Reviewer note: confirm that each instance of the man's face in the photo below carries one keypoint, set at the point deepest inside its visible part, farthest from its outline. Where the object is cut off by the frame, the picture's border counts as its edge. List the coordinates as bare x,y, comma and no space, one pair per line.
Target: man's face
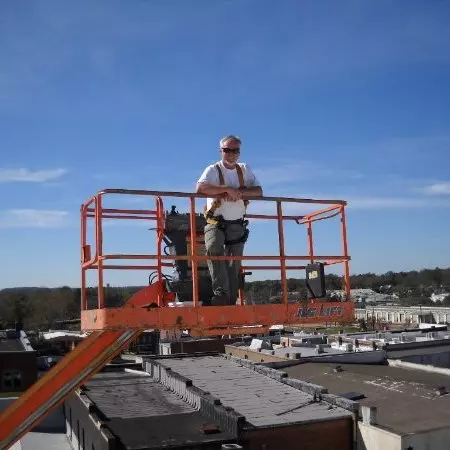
230,151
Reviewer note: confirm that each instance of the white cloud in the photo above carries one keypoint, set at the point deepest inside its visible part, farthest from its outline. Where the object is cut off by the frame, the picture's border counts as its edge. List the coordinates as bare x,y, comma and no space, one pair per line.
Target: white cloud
353,203
25,175
32,218
422,146
289,171
438,189
393,202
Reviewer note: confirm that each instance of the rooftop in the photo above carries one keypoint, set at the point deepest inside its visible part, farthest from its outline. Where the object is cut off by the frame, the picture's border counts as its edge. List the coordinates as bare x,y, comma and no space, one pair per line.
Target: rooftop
14,341
142,413
42,441
262,400
406,399
63,335
396,343
398,337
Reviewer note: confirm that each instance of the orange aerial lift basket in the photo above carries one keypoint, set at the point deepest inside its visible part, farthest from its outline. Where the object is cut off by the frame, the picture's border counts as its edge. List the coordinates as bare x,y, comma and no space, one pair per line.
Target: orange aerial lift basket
112,329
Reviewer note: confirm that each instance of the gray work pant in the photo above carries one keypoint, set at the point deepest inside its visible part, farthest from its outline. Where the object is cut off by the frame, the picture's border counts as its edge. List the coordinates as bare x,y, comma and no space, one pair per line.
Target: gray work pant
224,274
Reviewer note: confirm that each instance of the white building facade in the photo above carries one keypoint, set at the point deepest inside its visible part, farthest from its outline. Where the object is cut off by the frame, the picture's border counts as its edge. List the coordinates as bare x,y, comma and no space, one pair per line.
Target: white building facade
405,314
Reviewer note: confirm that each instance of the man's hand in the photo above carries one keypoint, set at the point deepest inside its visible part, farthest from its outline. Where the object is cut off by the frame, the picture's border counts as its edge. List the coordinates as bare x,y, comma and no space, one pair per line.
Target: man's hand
233,195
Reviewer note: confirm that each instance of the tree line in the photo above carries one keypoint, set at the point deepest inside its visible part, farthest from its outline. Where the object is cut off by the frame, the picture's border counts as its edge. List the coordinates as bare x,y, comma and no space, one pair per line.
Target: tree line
43,308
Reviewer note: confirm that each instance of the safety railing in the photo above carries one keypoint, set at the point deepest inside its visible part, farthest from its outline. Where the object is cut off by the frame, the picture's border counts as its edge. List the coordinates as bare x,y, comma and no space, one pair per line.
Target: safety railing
93,209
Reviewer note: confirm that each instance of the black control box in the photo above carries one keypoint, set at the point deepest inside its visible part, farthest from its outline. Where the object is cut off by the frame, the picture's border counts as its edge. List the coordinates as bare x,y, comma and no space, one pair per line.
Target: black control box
315,280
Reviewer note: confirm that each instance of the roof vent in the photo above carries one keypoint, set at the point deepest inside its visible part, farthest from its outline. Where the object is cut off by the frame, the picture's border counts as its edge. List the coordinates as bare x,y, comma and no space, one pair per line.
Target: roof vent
210,429
353,396
441,390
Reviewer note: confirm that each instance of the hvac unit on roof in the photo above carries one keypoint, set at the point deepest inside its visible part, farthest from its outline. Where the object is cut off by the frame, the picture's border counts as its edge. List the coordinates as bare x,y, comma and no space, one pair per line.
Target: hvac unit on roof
348,347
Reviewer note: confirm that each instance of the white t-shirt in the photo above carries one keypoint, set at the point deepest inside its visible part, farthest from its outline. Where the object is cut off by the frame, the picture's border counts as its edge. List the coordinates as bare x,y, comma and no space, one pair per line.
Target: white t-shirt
229,210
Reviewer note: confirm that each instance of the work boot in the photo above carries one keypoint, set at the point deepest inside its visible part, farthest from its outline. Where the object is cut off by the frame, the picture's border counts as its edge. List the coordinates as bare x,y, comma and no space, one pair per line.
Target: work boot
220,300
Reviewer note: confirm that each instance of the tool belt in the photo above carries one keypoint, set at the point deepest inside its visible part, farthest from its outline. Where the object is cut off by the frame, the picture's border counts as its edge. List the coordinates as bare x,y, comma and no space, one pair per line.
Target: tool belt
222,224
218,220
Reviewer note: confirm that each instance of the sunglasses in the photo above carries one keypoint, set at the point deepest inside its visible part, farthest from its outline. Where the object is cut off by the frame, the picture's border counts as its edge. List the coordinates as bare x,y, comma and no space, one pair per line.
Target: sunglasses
231,150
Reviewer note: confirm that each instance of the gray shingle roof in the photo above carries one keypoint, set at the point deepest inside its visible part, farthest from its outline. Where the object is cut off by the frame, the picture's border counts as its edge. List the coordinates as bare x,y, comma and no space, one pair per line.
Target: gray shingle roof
262,400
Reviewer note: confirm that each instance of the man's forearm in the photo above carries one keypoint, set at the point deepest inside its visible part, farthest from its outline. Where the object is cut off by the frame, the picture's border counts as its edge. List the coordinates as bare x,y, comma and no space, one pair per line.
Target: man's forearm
255,191
213,190
210,189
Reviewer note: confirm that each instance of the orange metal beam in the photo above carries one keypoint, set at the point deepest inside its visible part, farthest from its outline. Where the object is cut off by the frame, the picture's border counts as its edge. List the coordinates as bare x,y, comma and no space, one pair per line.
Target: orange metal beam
190,195
345,250
272,216
193,255
281,249
99,246
128,216
322,211
214,316
316,219
125,211
234,331
49,391
227,258
124,267
272,267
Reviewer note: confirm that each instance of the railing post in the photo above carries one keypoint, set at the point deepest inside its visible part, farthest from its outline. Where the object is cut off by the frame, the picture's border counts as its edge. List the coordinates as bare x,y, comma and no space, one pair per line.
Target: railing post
241,292
159,234
82,256
99,249
310,242
345,250
282,253
194,266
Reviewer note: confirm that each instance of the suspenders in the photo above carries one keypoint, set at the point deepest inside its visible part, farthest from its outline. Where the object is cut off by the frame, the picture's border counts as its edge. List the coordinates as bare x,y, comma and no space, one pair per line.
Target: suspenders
209,213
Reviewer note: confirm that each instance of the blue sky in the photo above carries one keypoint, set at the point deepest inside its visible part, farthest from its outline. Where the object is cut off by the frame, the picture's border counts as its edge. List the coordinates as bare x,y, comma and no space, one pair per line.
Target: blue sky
346,100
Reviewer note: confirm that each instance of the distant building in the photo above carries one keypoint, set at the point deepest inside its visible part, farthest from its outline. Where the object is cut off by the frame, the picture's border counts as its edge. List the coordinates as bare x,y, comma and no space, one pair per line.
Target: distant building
439,297
364,296
18,364
404,314
62,340
194,345
147,342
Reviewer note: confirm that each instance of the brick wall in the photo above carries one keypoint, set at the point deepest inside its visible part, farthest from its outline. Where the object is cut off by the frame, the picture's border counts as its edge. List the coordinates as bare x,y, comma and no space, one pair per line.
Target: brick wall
25,363
252,355
83,428
201,345
329,435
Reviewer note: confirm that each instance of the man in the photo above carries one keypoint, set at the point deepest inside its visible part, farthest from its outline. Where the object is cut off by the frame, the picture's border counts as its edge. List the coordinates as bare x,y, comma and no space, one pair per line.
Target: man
228,185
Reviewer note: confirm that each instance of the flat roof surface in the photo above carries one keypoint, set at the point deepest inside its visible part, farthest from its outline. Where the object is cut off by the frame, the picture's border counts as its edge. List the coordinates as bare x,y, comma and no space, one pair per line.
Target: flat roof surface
143,413
121,395
262,400
10,344
42,441
431,350
406,399
305,352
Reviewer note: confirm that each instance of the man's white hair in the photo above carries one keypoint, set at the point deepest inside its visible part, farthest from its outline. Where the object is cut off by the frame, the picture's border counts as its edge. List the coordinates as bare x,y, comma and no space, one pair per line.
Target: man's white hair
229,138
